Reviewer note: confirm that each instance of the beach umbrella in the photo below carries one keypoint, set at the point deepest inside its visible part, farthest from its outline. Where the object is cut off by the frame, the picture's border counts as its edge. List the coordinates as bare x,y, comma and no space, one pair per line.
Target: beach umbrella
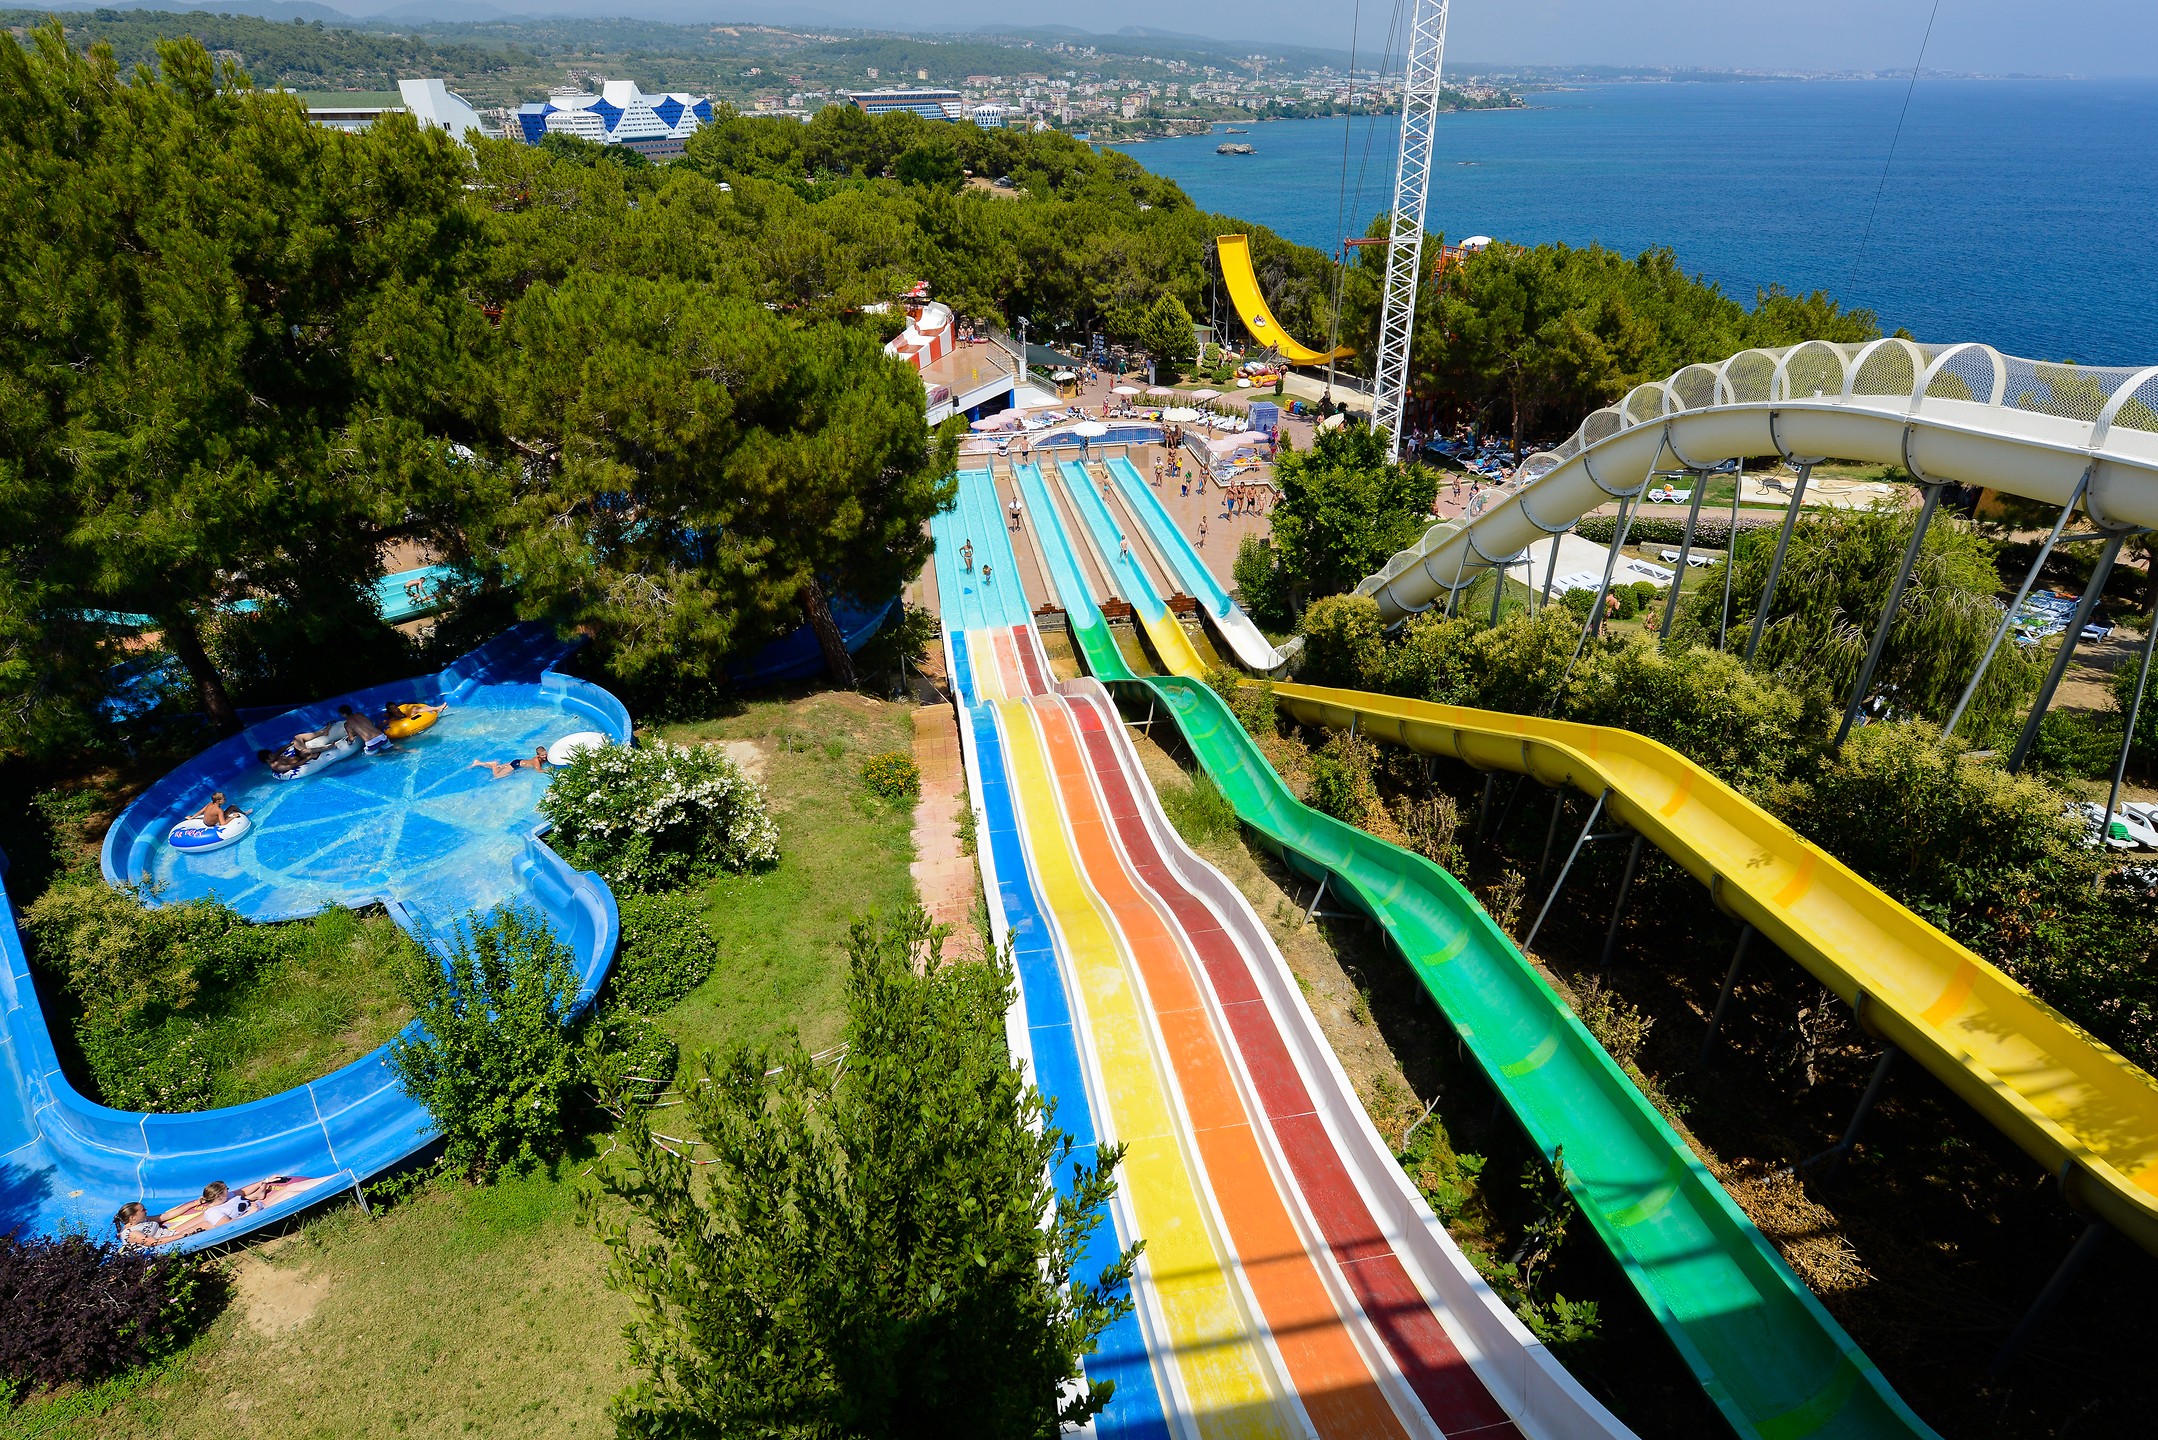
1004,420
1064,377
1230,444
1206,394
1182,416
1125,390
1091,429
1159,390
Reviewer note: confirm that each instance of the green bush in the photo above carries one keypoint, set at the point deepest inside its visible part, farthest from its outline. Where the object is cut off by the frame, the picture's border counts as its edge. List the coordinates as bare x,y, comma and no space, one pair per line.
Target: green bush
1251,702
497,1052
660,816
1258,582
666,952
1200,812
1344,642
1341,779
2144,757
854,1232
2077,744
1706,705
892,775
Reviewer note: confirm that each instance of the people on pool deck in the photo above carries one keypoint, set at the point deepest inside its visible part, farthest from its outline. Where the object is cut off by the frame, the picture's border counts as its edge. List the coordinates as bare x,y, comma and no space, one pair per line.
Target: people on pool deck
217,812
362,728
537,760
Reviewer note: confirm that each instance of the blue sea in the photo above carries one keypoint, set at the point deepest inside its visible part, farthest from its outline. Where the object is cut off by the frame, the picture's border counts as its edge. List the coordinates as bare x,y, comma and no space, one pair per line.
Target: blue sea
2017,212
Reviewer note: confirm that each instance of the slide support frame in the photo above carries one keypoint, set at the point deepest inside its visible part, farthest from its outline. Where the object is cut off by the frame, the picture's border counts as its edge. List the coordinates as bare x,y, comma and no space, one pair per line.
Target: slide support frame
1775,563
2008,620
1618,906
2079,1254
1888,613
1834,1154
2061,657
1723,996
1685,549
1586,837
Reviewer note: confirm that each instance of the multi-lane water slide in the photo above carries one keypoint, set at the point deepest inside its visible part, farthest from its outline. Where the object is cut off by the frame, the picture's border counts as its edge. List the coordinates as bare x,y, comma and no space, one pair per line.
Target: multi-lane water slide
415,829
1293,1282
1772,1360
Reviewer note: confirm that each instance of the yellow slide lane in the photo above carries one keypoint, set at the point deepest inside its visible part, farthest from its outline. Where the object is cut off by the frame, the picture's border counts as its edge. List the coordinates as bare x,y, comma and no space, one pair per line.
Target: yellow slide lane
2068,1100
1227,1378
1251,307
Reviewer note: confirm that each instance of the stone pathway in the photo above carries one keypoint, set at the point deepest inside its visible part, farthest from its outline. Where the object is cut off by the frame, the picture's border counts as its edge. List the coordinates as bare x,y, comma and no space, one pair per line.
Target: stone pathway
944,874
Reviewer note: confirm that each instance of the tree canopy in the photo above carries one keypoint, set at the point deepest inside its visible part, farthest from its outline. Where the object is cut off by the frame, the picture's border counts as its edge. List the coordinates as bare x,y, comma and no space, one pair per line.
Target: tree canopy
1344,510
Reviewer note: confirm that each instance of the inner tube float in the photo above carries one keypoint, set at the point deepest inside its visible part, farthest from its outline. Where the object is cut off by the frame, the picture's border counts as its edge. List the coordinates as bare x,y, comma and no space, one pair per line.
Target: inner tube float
411,719
192,837
322,759
569,747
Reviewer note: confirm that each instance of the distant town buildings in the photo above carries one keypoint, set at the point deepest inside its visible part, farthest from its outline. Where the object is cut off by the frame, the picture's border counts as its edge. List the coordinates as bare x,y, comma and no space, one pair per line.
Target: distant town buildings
934,104
659,126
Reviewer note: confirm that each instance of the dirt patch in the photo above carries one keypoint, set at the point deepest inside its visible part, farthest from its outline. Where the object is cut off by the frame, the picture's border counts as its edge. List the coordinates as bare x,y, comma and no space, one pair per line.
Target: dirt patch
2088,685
747,754
276,1300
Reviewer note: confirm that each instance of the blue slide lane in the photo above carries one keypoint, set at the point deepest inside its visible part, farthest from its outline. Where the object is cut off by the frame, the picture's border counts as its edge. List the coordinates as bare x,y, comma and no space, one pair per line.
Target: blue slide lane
1190,570
416,830
1131,580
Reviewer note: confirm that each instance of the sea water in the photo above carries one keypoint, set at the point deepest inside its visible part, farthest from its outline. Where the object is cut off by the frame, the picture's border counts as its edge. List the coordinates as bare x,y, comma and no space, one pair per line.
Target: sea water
416,823
2015,212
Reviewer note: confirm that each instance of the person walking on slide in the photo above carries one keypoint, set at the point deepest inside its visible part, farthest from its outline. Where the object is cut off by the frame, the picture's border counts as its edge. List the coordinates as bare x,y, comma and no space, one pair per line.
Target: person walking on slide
966,556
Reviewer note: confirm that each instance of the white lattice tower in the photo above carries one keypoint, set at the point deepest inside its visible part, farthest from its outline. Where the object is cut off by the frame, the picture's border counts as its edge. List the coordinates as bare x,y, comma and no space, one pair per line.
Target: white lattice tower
1412,190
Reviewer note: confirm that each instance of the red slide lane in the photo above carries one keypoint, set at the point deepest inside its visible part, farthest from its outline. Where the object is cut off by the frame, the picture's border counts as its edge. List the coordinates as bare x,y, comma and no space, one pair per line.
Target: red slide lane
1443,1380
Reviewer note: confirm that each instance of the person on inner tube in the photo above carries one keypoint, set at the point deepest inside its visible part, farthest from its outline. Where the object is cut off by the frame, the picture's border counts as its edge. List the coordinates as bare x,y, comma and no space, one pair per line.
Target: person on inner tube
363,729
217,813
281,762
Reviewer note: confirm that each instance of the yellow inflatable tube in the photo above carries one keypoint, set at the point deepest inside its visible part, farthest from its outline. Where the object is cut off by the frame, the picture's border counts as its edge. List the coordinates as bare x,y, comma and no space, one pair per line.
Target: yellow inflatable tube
408,720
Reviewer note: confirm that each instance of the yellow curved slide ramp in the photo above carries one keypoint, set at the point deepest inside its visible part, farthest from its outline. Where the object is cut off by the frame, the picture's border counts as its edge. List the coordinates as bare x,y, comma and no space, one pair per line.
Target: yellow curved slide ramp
1235,253
2069,1101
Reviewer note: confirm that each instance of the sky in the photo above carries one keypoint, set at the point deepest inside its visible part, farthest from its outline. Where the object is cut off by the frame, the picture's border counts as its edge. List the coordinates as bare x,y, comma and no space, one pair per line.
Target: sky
2060,37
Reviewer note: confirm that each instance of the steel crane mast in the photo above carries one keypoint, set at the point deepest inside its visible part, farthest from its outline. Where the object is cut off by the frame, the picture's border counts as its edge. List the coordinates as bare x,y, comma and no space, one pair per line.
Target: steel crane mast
1412,191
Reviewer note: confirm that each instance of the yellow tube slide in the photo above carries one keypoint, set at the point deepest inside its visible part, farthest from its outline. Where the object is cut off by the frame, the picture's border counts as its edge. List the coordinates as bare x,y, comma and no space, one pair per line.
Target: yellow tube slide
2068,1100
1235,253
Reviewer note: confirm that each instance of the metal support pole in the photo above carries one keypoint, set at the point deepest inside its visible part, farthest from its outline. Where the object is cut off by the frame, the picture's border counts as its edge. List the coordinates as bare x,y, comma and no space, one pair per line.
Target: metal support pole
1498,592
1483,811
1775,564
1834,1154
1627,509
1560,883
2008,620
2067,651
1723,996
1730,560
1685,549
2135,706
1317,896
1506,816
1888,614
1618,906
1551,570
1551,832
2078,1255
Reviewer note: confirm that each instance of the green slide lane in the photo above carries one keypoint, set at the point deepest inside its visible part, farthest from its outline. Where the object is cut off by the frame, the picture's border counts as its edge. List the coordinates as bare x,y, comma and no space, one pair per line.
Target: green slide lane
1762,1346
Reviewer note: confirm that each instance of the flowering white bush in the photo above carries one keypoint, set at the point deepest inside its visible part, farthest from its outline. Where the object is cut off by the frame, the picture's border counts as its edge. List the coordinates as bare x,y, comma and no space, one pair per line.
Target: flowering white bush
659,816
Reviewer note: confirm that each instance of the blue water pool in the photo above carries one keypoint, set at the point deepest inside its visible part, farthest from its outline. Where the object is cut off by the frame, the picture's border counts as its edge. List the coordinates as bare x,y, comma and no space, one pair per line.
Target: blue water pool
416,824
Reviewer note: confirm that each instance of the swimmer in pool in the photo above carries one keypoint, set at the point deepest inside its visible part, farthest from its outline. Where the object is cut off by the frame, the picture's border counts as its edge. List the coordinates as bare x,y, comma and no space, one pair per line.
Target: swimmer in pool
500,768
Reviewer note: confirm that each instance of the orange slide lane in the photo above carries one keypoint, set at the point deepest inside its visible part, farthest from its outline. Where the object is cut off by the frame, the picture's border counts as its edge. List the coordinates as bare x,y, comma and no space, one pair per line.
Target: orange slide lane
1328,1369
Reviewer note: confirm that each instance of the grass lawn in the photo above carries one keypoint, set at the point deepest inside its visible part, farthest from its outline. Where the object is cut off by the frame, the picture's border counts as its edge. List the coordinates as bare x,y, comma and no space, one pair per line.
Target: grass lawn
328,1005
470,1311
